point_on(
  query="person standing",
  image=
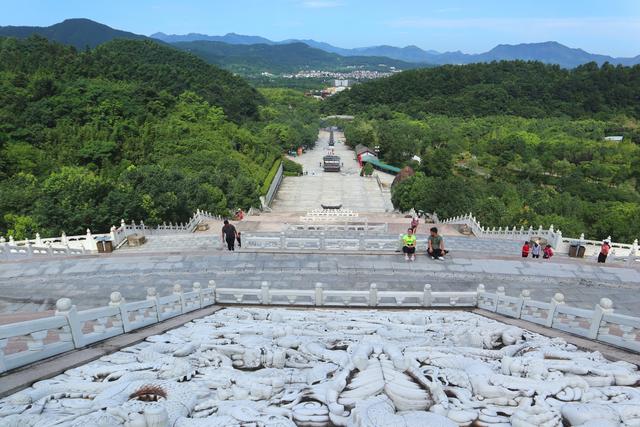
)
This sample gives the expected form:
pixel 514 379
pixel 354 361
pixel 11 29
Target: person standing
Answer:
pixel 535 251
pixel 604 252
pixel 409 245
pixel 229 235
pixel 435 248
pixel 525 250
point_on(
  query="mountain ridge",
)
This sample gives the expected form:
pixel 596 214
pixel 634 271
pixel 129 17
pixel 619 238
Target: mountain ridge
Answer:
pixel 82 33
pixel 283 58
pixel 77 32
pixel 550 52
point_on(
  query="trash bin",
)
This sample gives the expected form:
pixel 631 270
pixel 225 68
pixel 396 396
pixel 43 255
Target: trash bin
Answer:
pixel 573 250
pixel 576 250
pixel 105 246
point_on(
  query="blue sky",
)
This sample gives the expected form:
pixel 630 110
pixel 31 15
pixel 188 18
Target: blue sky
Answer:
pixel 599 26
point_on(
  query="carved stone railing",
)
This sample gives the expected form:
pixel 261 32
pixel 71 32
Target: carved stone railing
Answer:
pixel 599 324
pixel 321 241
pixel 362 242
pixel 554 237
pixel 328 215
pixel 27 342
pixel 361 226
pixel 88 243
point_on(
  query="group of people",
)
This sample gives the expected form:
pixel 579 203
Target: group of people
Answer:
pixel 435 243
pixel 536 249
pixel 547 252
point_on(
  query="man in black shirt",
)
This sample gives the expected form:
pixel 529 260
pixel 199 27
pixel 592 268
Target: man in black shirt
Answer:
pixel 229 234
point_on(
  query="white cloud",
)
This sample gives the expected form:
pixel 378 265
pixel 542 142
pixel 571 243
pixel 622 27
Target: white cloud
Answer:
pixel 321 4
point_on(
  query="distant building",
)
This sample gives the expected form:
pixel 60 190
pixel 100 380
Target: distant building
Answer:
pixel 341 83
pixel 363 152
pixel 617 138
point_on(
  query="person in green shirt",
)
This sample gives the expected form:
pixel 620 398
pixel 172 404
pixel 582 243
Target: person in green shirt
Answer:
pixel 409 245
pixel 435 245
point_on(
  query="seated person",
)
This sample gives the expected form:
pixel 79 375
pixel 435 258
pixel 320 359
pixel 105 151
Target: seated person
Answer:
pixel 547 252
pixel 435 247
pixel 409 245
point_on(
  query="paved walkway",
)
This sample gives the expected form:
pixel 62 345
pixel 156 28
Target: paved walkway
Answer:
pixel 89 281
pixel 347 188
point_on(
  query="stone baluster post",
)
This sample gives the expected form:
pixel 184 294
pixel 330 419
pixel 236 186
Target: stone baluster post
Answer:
pixel 283 240
pixel 633 252
pixel 90 243
pixel 5 248
pixel 65 308
pixel 152 295
pixel 38 241
pixel 558 240
pixel 558 299
pixel 323 243
pixel 177 290
pixel 198 288
pixel 525 295
pixel 212 285
pixel 116 300
pixel 265 296
pixel 373 295
pixel 427 300
pixel 605 306
pixel 319 295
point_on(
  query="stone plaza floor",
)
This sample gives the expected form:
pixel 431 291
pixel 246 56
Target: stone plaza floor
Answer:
pixel 89 281
pixel 287 368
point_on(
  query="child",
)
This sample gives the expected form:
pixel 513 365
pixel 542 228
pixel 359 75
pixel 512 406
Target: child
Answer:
pixel 525 250
pixel 548 252
pixel 239 239
pixel 535 251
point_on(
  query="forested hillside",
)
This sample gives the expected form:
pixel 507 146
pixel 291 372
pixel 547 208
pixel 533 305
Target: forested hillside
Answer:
pixel 133 130
pixel 527 89
pixel 78 32
pixel 549 166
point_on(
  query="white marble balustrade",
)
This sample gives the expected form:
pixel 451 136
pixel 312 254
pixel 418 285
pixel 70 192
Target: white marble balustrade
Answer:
pixel 26 342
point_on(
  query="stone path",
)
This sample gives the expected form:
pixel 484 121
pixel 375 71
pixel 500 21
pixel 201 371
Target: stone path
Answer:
pixel 89 281
pixel 303 193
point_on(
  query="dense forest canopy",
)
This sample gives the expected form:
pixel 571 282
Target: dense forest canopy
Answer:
pixel 515 143
pixel 526 89
pixel 134 130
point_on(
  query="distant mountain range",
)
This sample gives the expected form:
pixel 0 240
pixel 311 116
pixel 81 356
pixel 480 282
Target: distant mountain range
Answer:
pixel 78 32
pixel 548 52
pixel 283 58
pixel 83 33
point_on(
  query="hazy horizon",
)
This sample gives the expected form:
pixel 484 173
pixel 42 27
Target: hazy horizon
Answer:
pixel 611 28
